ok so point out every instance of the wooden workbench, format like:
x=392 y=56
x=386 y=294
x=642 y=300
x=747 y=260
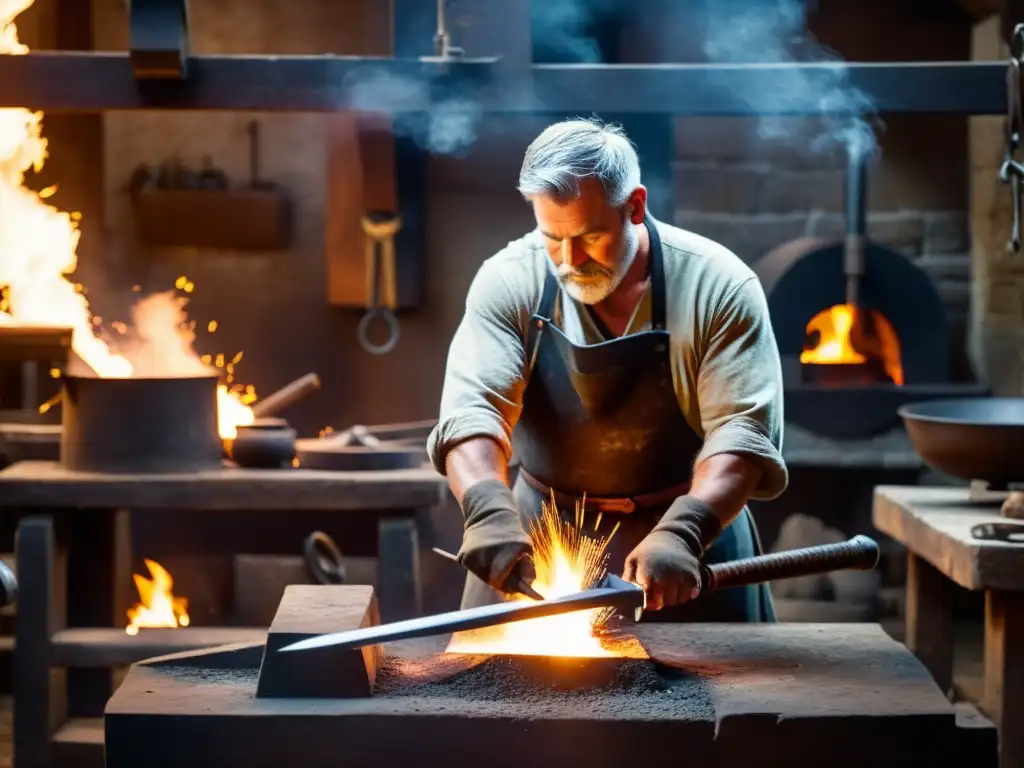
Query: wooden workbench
x=85 y=509
x=745 y=696
x=934 y=524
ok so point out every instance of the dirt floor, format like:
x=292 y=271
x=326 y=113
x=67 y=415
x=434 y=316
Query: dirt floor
x=969 y=646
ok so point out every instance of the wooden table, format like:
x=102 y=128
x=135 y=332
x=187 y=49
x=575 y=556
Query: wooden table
x=934 y=524
x=86 y=509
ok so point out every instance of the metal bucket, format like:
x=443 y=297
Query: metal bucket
x=125 y=426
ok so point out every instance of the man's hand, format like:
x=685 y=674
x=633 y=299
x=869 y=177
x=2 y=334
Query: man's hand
x=666 y=568
x=495 y=546
x=667 y=562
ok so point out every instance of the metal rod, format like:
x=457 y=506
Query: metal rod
x=856 y=223
x=90 y=82
x=286 y=396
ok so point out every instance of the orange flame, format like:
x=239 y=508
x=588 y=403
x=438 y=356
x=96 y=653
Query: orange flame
x=834 y=346
x=567 y=560
x=157 y=606
x=38 y=253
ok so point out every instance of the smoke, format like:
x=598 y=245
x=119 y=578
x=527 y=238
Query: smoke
x=775 y=32
x=440 y=117
x=564 y=30
x=161 y=339
x=443 y=115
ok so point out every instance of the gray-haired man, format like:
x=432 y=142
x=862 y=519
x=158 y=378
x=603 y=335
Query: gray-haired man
x=625 y=359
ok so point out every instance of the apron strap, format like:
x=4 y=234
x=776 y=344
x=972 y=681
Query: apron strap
x=546 y=308
x=544 y=311
x=657 y=268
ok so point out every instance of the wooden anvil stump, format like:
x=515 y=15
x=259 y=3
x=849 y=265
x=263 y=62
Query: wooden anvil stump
x=711 y=695
x=323 y=673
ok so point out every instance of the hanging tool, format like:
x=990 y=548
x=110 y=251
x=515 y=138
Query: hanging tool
x=860 y=553
x=1012 y=171
x=324 y=562
x=380 y=229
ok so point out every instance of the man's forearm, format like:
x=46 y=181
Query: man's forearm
x=724 y=482
x=473 y=461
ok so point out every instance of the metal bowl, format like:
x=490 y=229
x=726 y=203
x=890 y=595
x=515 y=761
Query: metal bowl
x=971 y=438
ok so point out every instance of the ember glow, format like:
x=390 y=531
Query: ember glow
x=157 y=606
x=38 y=254
x=568 y=559
x=833 y=327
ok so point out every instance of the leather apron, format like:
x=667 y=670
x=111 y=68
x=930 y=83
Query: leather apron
x=604 y=419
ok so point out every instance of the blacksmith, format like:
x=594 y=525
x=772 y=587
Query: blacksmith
x=620 y=357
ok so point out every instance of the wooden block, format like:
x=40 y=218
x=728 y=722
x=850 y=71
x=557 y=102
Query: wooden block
x=327 y=673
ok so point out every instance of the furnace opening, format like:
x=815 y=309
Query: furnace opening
x=846 y=345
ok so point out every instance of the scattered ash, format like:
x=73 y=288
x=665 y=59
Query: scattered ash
x=542 y=687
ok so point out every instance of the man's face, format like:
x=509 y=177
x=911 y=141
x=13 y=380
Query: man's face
x=590 y=242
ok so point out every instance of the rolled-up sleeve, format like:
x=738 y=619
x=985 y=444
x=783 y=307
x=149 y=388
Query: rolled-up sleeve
x=739 y=386
x=484 y=377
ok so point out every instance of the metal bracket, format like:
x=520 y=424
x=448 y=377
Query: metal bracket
x=159 y=39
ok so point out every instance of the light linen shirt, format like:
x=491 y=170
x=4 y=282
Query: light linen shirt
x=725 y=363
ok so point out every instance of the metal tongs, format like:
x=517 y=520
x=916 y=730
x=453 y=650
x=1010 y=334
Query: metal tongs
x=1012 y=170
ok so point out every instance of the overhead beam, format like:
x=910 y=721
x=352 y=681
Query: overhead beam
x=72 y=81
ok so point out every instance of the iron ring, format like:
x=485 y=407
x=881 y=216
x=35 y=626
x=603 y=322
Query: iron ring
x=323 y=559
x=393 y=331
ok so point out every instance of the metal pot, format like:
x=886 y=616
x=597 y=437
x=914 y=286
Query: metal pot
x=126 y=426
x=264 y=444
x=970 y=438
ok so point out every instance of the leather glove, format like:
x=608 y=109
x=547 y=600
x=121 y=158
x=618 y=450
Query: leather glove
x=495 y=546
x=666 y=563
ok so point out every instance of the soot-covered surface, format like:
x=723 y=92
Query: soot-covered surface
x=536 y=687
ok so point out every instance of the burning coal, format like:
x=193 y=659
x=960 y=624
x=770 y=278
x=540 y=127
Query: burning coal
x=568 y=559
x=38 y=254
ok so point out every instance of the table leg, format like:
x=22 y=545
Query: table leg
x=91 y=602
x=398 y=568
x=929 y=619
x=34 y=700
x=1004 y=673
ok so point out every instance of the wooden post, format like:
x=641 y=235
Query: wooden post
x=34 y=699
x=1004 y=673
x=929 y=619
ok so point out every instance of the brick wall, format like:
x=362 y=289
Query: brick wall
x=752 y=195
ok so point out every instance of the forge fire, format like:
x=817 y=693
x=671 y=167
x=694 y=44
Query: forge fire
x=38 y=258
x=860 y=339
x=569 y=558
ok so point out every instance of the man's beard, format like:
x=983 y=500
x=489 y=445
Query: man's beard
x=592 y=283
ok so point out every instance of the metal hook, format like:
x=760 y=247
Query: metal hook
x=1011 y=172
x=380 y=230
x=364 y=328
